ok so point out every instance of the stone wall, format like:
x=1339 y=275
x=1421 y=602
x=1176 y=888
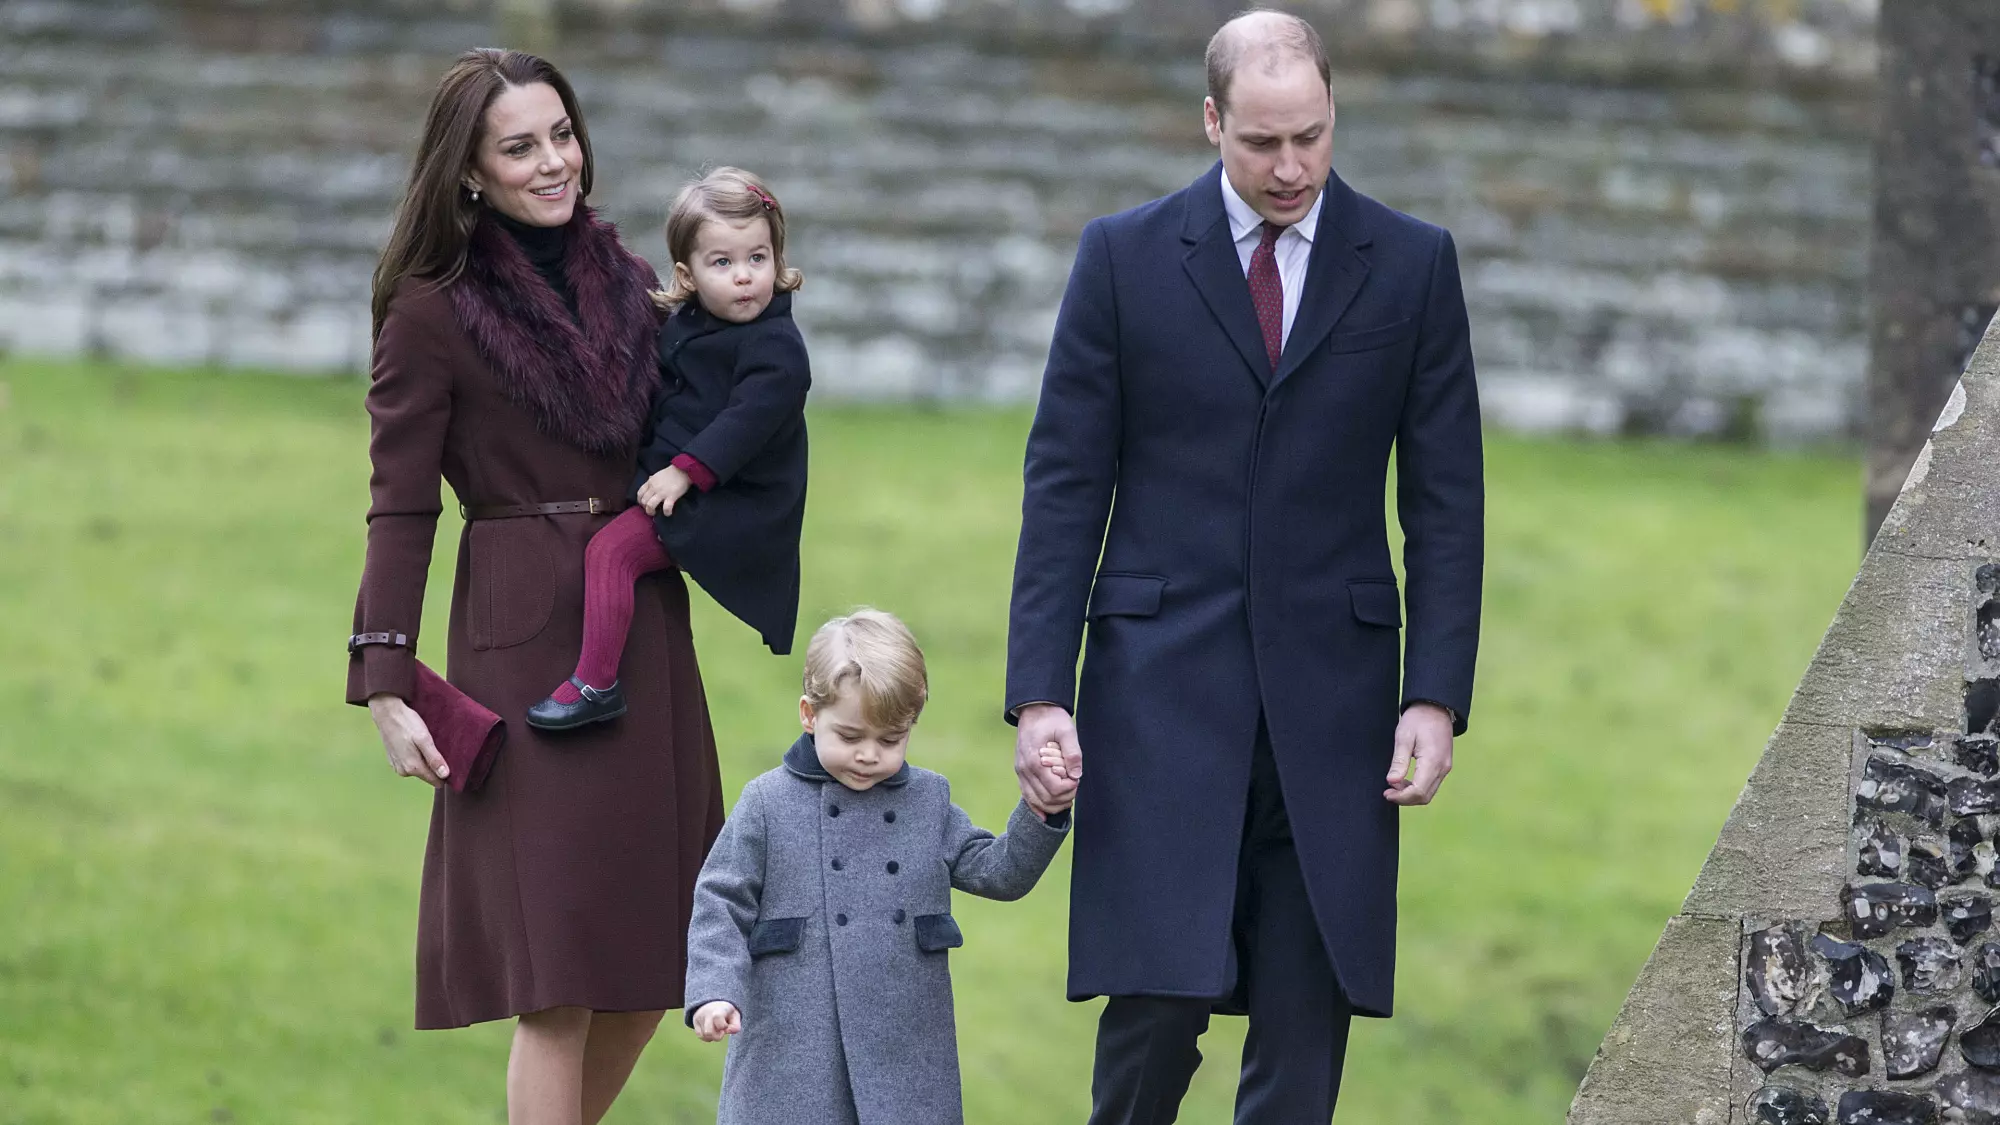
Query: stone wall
x=1662 y=205
x=1835 y=962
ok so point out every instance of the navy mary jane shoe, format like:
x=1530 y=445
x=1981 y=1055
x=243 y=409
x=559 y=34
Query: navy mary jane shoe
x=597 y=705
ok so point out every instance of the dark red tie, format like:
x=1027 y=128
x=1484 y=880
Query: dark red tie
x=1267 y=292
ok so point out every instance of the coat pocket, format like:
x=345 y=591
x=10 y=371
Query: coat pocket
x=937 y=933
x=1125 y=595
x=1376 y=602
x=1368 y=339
x=776 y=935
x=512 y=582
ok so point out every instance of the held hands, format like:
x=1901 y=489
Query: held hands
x=1048 y=782
x=717 y=1020
x=1423 y=755
x=663 y=490
x=407 y=740
x=1062 y=787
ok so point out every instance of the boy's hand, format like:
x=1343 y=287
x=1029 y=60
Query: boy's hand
x=663 y=490
x=716 y=1020
x=1062 y=787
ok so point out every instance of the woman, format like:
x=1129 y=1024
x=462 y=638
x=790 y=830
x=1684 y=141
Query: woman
x=513 y=356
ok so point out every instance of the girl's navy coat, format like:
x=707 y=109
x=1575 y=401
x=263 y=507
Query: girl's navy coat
x=733 y=397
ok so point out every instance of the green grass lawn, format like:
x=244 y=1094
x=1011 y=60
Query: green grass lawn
x=208 y=874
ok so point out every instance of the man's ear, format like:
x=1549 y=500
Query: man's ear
x=1211 y=121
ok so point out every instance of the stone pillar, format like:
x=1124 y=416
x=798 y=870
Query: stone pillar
x=1836 y=961
x=1935 y=262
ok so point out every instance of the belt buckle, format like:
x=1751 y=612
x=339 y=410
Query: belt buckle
x=596 y=506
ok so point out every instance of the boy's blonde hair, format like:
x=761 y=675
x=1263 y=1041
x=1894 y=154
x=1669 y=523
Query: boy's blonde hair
x=730 y=194
x=875 y=653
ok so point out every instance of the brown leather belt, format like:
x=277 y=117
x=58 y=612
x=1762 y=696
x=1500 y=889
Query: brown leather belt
x=591 y=507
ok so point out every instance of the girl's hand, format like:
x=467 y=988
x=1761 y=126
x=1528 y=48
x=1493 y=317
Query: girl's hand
x=716 y=1020
x=407 y=740
x=1062 y=790
x=663 y=490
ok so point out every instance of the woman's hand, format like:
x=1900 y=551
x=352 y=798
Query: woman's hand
x=717 y=1019
x=663 y=490
x=408 y=740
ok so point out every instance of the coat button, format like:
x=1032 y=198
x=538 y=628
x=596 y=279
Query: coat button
x=833 y=810
x=836 y=865
x=894 y=867
x=890 y=816
x=899 y=917
x=840 y=919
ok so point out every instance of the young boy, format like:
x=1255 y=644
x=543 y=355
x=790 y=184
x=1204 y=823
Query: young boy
x=823 y=915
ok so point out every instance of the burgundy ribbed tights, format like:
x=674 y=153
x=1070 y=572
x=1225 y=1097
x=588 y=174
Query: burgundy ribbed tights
x=620 y=553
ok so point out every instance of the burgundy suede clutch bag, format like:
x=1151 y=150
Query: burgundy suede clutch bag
x=465 y=732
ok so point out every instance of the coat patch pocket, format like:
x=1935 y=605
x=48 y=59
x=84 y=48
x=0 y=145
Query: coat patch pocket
x=937 y=933
x=1125 y=595
x=1376 y=602
x=512 y=582
x=776 y=935
x=1368 y=339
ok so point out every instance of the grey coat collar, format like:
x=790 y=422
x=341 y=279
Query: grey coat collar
x=802 y=760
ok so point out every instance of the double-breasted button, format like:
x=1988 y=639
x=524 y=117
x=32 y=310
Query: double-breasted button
x=899 y=917
x=836 y=864
x=894 y=867
x=840 y=919
x=833 y=810
x=890 y=816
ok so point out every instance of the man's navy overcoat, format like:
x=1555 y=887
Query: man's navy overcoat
x=1212 y=532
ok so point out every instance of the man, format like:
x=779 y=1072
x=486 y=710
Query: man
x=1231 y=367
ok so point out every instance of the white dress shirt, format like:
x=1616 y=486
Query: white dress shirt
x=1293 y=249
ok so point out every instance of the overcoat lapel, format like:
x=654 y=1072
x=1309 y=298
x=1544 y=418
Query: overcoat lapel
x=1334 y=275
x=1217 y=272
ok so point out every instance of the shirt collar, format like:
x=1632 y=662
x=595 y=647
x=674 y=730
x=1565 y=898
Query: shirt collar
x=802 y=760
x=1243 y=220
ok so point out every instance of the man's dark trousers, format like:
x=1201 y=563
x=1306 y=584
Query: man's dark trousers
x=1146 y=1052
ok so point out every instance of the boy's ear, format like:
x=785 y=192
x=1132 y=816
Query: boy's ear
x=806 y=715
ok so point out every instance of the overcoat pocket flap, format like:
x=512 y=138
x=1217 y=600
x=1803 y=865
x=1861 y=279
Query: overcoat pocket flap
x=1369 y=339
x=776 y=935
x=938 y=932
x=1126 y=595
x=1376 y=603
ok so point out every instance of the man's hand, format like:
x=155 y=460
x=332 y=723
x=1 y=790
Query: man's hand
x=663 y=490
x=716 y=1020
x=1046 y=788
x=1423 y=755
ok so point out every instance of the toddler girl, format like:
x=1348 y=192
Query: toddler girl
x=823 y=915
x=721 y=486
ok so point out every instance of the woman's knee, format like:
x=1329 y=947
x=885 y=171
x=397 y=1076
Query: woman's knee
x=554 y=1022
x=635 y=1028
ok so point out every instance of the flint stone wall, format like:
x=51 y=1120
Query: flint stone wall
x=1835 y=962
x=1662 y=205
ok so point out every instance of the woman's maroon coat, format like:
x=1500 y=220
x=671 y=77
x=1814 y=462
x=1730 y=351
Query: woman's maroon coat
x=566 y=879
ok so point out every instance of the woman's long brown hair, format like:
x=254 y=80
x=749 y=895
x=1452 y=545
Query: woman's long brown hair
x=435 y=219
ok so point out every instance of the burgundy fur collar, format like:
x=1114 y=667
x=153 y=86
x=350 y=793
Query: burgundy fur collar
x=589 y=387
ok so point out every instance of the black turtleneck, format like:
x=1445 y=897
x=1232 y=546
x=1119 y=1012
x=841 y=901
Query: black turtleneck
x=545 y=248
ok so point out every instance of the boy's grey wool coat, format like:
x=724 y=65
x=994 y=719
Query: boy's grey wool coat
x=824 y=915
